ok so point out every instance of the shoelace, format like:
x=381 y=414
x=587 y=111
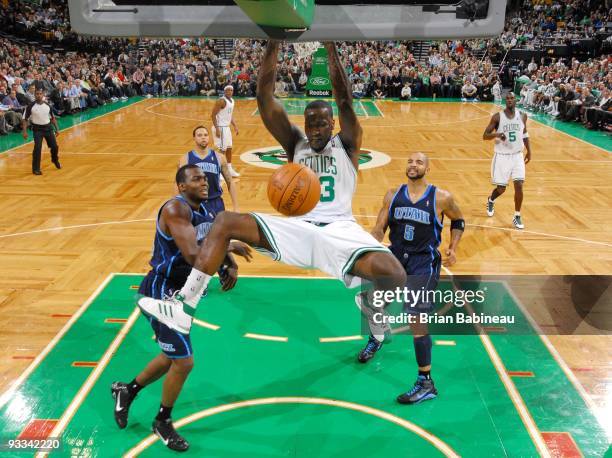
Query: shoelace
x=417 y=386
x=371 y=346
x=173 y=435
x=171 y=297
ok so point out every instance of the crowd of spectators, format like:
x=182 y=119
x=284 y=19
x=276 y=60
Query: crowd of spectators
x=540 y=22
x=570 y=91
x=105 y=70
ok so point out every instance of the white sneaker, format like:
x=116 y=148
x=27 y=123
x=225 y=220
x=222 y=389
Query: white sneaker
x=172 y=312
x=490 y=207
x=518 y=222
x=233 y=173
x=376 y=329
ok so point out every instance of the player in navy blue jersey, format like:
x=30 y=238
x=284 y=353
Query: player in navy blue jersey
x=215 y=166
x=414 y=214
x=182 y=224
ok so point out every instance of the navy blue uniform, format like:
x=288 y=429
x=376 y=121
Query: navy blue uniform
x=212 y=169
x=169 y=272
x=415 y=234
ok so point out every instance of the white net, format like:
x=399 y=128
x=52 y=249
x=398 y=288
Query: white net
x=303 y=50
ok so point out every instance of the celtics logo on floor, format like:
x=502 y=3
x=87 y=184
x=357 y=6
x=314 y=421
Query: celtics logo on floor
x=273 y=156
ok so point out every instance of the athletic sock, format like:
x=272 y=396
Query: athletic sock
x=134 y=387
x=194 y=287
x=164 y=413
x=422 y=350
x=517 y=213
x=426 y=374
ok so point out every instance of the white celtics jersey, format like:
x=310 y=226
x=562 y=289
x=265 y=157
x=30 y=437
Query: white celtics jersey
x=512 y=128
x=224 y=116
x=337 y=176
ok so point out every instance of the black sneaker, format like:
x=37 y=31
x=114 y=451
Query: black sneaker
x=490 y=207
x=123 y=400
x=370 y=350
x=57 y=164
x=423 y=390
x=36 y=172
x=164 y=429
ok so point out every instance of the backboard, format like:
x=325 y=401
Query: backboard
x=340 y=20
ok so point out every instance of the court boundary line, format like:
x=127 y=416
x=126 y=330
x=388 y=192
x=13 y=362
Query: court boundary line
x=457 y=159
x=382 y=115
x=75 y=226
x=586 y=397
x=524 y=231
x=129 y=221
x=438 y=443
x=76 y=125
x=513 y=392
x=292 y=277
x=92 y=379
x=5 y=397
x=543 y=234
x=365 y=112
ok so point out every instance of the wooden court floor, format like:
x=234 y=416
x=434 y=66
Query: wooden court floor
x=66 y=231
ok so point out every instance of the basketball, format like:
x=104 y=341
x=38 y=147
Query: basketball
x=294 y=189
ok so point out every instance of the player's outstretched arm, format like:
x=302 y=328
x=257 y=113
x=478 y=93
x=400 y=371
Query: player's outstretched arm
x=446 y=203
x=271 y=111
x=350 y=129
x=526 y=139
x=489 y=133
x=382 y=220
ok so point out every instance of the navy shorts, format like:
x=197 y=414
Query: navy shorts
x=423 y=270
x=173 y=344
x=216 y=205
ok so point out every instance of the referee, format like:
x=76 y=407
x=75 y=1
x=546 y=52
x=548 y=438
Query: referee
x=44 y=126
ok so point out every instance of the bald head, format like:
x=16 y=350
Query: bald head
x=419 y=155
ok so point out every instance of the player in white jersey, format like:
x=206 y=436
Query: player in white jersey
x=327 y=238
x=223 y=118
x=509 y=130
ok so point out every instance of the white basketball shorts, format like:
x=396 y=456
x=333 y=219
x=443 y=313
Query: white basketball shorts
x=507 y=166
x=223 y=138
x=333 y=248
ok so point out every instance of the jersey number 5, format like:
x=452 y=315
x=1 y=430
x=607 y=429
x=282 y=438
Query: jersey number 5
x=327 y=188
x=409 y=232
x=512 y=136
